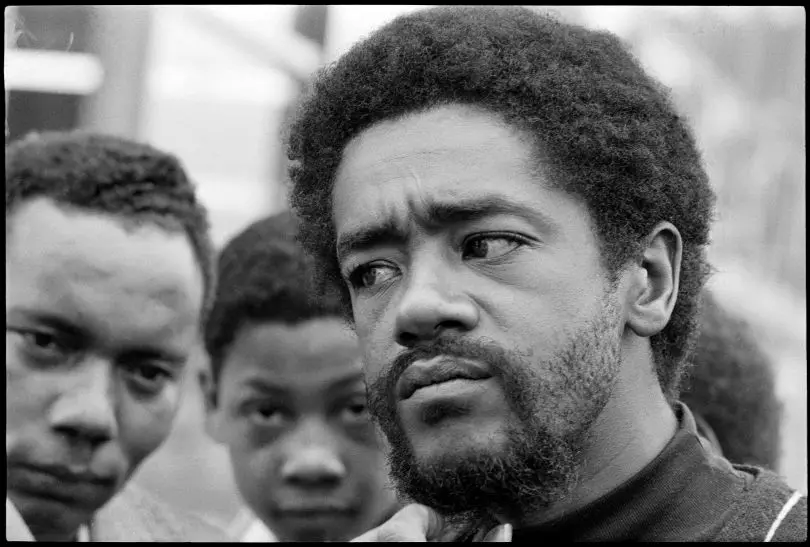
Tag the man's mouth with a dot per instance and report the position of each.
(437, 371)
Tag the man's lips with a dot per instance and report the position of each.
(436, 371)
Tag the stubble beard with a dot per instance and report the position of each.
(537, 463)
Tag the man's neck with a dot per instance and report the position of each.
(632, 430)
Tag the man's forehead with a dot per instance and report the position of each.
(461, 131)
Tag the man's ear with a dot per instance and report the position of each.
(209, 394)
(654, 282)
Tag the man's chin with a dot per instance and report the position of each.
(494, 470)
(441, 430)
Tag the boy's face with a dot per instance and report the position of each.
(291, 406)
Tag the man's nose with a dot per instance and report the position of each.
(86, 408)
(313, 459)
(432, 303)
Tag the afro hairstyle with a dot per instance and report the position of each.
(606, 133)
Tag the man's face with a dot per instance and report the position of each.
(292, 408)
(100, 320)
(489, 332)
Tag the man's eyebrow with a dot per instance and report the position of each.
(435, 215)
(469, 210)
(361, 239)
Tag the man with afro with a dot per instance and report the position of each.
(516, 218)
(109, 271)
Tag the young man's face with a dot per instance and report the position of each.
(291, 406)
(490, 334)
(100, 319)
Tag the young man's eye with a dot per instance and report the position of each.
(369, 275)
(149, 378)
(42, 345)
(490, 245)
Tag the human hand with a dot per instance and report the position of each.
(420, 523)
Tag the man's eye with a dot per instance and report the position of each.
(490, 246)
(368, 275)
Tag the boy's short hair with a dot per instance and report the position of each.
(264, 276)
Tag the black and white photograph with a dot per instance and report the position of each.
(392, 273)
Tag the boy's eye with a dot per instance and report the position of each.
(267, 414)
(355, 411)
(490, 246)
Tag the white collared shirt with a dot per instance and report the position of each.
(257, 532)
(83, 535)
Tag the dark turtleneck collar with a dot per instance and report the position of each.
(684, 494)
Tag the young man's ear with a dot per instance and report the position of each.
(208, 388)
(654, 282)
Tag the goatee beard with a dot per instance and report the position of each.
(538, 463)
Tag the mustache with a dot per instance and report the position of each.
(382, 389)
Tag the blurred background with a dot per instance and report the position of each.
(214, 84)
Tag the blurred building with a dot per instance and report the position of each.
(213, 84)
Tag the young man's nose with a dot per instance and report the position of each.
(85, 410)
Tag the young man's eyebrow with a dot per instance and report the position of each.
(46, 319)
(435, 215)
(65, 327)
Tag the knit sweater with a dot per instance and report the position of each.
(767, 510)
(688, 493)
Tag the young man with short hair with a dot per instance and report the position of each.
(108, 274)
